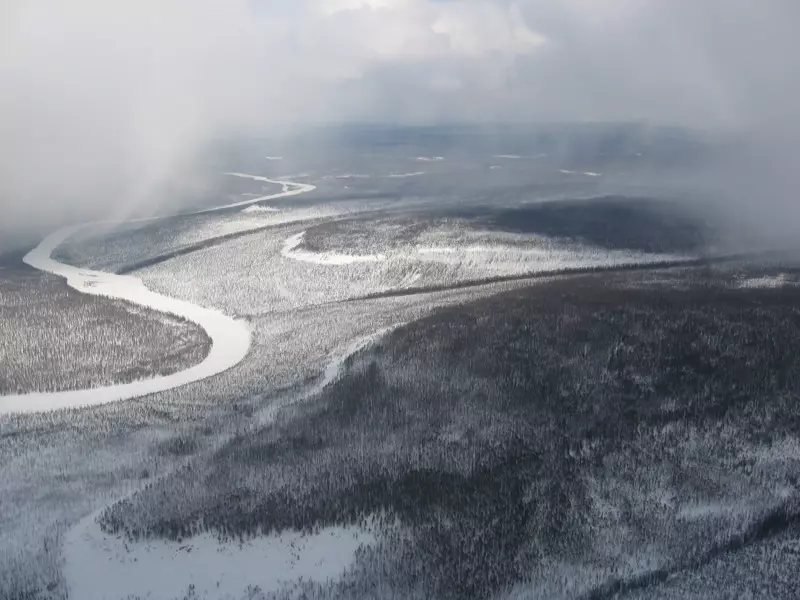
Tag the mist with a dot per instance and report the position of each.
(103, 103)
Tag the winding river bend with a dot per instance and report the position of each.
(230, 338)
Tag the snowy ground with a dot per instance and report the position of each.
(279, 338)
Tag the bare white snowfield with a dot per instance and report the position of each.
(230, 338)
(106, 567)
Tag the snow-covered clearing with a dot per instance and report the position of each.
(497, 259)
(230, 338)
(324, 258)
(106, 567)
(257, 208)
(773, 281)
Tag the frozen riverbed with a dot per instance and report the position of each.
(230, 338)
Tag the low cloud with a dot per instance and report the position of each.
(101, 101)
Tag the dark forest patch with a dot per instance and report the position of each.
(614, 222)
(570, 423)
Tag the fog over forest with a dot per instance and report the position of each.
(102, 103)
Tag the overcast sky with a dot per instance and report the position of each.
(110, 95)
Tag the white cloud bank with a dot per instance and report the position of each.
(102, 100)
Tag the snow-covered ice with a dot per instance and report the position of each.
(257, 208)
